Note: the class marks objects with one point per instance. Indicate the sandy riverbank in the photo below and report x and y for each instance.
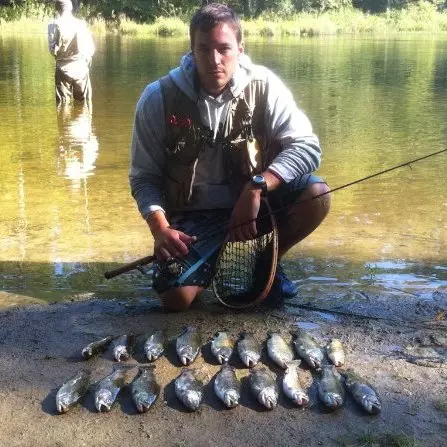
(40, 348)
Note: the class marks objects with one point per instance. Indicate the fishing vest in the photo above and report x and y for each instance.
(243, 138)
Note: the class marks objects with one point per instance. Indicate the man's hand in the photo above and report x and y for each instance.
(242, 222)
(168, 242)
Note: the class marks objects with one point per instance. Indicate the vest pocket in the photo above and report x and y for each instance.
(178, 184)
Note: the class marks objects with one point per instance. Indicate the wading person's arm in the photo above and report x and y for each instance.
(53, 39)
(86, 46)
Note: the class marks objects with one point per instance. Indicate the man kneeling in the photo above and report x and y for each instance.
(194, 174)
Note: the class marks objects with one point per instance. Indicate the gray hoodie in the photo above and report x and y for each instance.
(284, 122)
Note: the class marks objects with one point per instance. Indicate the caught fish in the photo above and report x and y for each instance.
(292, 386)
(330, 388)
(336, 352)
(123, 347)
(154, 345)
(227, 386)
(264, 388)
(279, 351)
(188, 345)
(96, 347)
(72, 390)
(308, 349)
(145, 389)
(222, 347)
(189, 389)
(108, 388)
(362, 392)
(249, 350)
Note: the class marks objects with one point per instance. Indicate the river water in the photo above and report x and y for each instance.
(67, 214)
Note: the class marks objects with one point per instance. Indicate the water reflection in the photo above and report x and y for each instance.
(67, 214)
(78, 145)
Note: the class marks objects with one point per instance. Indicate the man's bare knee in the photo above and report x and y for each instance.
(296, 228)
(320, 190)
(179, 299)
(319, 207)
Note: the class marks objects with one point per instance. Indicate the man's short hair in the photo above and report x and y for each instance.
(209, 16)
(63, 5)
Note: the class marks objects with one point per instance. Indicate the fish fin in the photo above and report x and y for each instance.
(221, 331)
(292, 363)
(183, 331)
(227, 366)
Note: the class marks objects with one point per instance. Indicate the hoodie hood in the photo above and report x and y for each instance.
(185, 76)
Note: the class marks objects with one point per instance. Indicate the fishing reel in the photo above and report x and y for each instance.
(170, 274)
(167, 273)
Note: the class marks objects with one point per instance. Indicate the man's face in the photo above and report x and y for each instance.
(216, 53)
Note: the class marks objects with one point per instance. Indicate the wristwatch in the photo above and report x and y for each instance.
(258, 181)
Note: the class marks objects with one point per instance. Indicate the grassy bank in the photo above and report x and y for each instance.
(349, 21)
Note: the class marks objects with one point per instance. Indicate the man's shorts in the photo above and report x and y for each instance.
(210, 227)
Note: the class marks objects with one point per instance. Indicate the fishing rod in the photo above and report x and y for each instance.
(137, 264)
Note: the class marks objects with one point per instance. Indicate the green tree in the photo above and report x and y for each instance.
(377, 6)
(321, 5)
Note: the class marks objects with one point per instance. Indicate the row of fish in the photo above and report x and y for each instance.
(331, 386)
(188, 346)
(189, 389)
(145, 388)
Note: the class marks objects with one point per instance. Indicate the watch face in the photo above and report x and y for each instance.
(258, 179)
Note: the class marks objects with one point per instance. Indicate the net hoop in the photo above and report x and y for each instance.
(271, 275)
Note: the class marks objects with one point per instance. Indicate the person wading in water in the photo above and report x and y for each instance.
(71, 43)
